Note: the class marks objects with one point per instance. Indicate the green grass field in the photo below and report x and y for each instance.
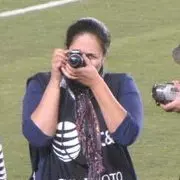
(143, 36)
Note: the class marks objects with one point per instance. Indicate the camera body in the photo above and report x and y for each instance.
(164, 93)
(75, 59)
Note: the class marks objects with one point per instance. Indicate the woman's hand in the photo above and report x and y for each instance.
(87, 75)
(59, 59)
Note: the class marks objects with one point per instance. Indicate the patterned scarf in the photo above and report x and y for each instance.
(89, 134)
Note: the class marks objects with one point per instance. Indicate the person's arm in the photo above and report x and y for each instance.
(113, 112)
(40, 130)
(41, 109)
(123, 116)
(46, 114)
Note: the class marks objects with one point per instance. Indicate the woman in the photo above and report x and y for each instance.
(82, 130)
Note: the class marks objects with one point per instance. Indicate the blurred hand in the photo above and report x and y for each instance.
(87, 75)
(176, 83)
(58, 61)
(173, 106)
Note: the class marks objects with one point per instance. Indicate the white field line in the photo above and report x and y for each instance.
(35, 8)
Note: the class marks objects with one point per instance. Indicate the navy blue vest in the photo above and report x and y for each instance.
(64, 159)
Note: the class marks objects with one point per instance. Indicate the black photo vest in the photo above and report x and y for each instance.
(63, 159)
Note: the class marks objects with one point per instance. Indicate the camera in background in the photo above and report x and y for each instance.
(164, 93)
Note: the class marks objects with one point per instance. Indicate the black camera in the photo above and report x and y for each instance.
(164, 93)
(75, 59)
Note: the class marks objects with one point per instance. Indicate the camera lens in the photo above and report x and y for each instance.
(75, 60)
(158, 94)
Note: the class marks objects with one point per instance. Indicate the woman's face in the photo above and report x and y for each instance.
(89, 44)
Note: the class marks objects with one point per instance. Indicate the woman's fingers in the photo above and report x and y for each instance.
(68, 73)
(59, 58)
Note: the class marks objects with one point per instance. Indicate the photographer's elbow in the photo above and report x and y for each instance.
(127, 132)
(135, 131)
(34, 135)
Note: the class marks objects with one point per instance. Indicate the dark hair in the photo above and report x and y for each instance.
(89, 25)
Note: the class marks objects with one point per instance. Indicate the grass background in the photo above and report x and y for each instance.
(143, 36)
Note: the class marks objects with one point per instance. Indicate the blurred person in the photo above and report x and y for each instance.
(79, 121)
(174, 106)
(3, 175)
